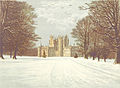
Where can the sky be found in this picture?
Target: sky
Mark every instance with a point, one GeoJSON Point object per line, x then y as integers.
{"type": "Point", "coordinates": [57, 17]}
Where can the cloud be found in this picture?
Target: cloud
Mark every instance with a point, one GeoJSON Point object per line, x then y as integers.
{"type": "Point", "coordinates": [57, 17]}
{"type": "Point", "coordinates": [63, 14]}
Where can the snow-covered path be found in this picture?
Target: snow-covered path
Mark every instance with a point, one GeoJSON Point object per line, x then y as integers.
{"type": "Point", "coordinates": [58, 72]}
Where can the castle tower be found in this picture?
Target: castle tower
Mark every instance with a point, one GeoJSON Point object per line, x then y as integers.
{"type": "Point", "coordinates": [51, 41]}
{"type": "Point", "coordinates": [56, 44]}
{"type": "Point", "coordinates": [39, 51]}
{"type": "Point", "coordinates": [66, 41]}
{"type": "Point", "coordinates": [60, 46]}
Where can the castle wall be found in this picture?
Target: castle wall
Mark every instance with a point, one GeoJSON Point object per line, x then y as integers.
{"type": "Point", "coordinates": [59, 47]}
{"type": "Point", "coordinates": [44, 49]}
{"type": "Point", "coordinates": [51, 52]}
{"type": "Point", "coordinates": [67, 52]}
{"type": "Point", "coordinates": [39, 51]}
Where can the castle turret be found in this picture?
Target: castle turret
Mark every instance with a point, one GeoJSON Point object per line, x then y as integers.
{"type": "Point", "coordinates": [39, 51]}
{"type": "Point", "coordinates": [65, 42]}
{"type": "Point", "coordinates": [56, 44]}
{"type": "Point", "coordinates": [60, 46]}
{"type": "Point", "coordinates": [51, 41]}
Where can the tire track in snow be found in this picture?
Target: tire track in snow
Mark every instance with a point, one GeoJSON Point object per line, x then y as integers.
{"type": "Point", "coordinates": [70, 74]}
{"type": "Point", "coordinates": [69, 78]}
{"type": "Point", "coordinates": [66, 80]}
{"type": "Point", "coordinates": [57, 77]}
{"type": "Point", "coordinates": [52, 72]}
{"type": "Point", "coordinates": [106, 73]}
{"type": "Point", "coordinates": [88, 78]}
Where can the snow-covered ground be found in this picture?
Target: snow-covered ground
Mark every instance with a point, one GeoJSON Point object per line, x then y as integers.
{"type": "Point", "coordinates": [58, 72]}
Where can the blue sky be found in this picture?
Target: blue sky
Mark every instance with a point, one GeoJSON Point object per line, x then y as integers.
{"type": "Point", "coordinates": [57, 17]}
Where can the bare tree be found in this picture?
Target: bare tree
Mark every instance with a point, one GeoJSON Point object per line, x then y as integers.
{"type": "Point", "coordinates": [106, 16]}
{"type": "Point", "coordinates": [3, 16]}
{"type": "Point", "coordinates": [82, 35]}
{"type": "Point", "coordinates": [16, 28]}
{"type": "Point", "coordinates": [24, 35]}
{"type": "Point", "coordinates": [95, 40]}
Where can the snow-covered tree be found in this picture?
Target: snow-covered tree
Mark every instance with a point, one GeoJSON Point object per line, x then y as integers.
{"type": "Point", "coordinates": [106, 16]}
{"type": "Point", "coordinates": [82, 35]}
{"type": "Point", "coordinates": [19, 20]}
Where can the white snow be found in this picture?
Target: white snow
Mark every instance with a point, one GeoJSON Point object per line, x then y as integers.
{"type": "Point", "coordinates": [58, 72]}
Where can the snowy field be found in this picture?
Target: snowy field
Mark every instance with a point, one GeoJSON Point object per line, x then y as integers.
{"type": "Point", "coordinates": [58, 72]}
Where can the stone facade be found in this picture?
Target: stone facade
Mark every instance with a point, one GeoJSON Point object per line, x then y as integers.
{"type": "Point", "coordinates": [58, 47]}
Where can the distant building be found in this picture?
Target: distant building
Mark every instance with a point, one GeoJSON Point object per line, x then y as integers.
{"type": "Point", "coordinates": [58, 47]}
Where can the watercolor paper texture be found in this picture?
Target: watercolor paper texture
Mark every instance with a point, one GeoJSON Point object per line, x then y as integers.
{"type": "Point", "coordinates": [59, 43]}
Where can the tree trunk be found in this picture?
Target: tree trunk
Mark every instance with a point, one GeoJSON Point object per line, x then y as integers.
{"type": "Point", "coordinates": [14, 56]}
{"type": "Point", "coordinates": [15, 52]}
{"type": "Point", "coordinates": [11, 54]}
{"type": "Point", "coordinates": [94, 49]}
{"type": "Point", "coordinates": [98, 58]}
{"type": "Point", "coordinates": [117, 61]}
{"type": "Point", "coordinates": [104, 59]}
{"type": "Point", "coordinates": [86, 56]}
{"type": "Point", "coordinates": [1, 49]}
{"type": "Point", "coordinates": [93, 57]}
{"type": "Point", "coordinates": [1, 52]}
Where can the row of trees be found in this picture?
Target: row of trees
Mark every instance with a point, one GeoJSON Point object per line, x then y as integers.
{"type": "Point", "coordinates": [98, 34]}
{"type": "Point", "coordinates": [16, 28]}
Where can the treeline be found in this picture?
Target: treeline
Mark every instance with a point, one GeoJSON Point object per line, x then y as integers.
{"type": "Point", "coordinates": [31, 52]}
{"type": "Point", "coordinates": [98, 34]}
{"type": "Point", "coordinates": [28, 52]}
{"type": "Point", "coordinates": [16, 28]}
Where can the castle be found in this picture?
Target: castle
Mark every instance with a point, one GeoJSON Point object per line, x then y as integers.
{"type": "Point", "coordinates": [58, 47]}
